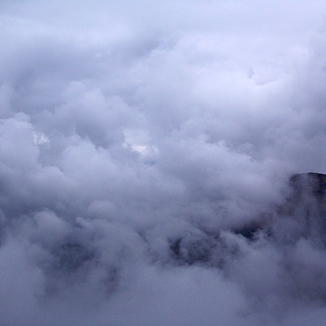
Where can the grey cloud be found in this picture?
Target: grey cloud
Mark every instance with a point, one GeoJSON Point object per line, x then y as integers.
{"type": "Point", "coordinates": [145, 157]}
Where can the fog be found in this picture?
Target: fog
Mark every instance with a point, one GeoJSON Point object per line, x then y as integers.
{"type": "Point", "coordinates": [146, 151]}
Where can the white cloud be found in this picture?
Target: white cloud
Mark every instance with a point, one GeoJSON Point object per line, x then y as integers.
{"type": "Point", "coordinates": [136, 138]}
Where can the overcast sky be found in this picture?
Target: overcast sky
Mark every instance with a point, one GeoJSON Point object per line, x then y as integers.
{"type": "Point", "coordinates": [135, 137]}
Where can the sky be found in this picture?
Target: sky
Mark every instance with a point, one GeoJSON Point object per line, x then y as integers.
{"type": "Point", "coordinates": [136, 138]}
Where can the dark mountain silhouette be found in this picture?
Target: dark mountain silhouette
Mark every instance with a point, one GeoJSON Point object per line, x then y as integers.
{"type": "Point", "coordinates": [304, 212]}
{"type": "Point", "coordinates": [302, 215]}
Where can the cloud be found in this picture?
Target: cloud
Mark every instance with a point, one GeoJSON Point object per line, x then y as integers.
{"type": "Point", "coordinates": [145, 154]}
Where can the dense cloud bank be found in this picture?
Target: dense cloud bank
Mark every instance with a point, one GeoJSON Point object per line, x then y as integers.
{"type": "Point", "coordinates": [146, 150]}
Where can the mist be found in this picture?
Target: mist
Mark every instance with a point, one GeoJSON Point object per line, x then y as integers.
{"type": "Point", "coordinates": [154, 160]}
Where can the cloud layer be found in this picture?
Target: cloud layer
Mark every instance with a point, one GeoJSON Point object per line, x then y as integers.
{"type": "Point", "coordinates": [137, 141]}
